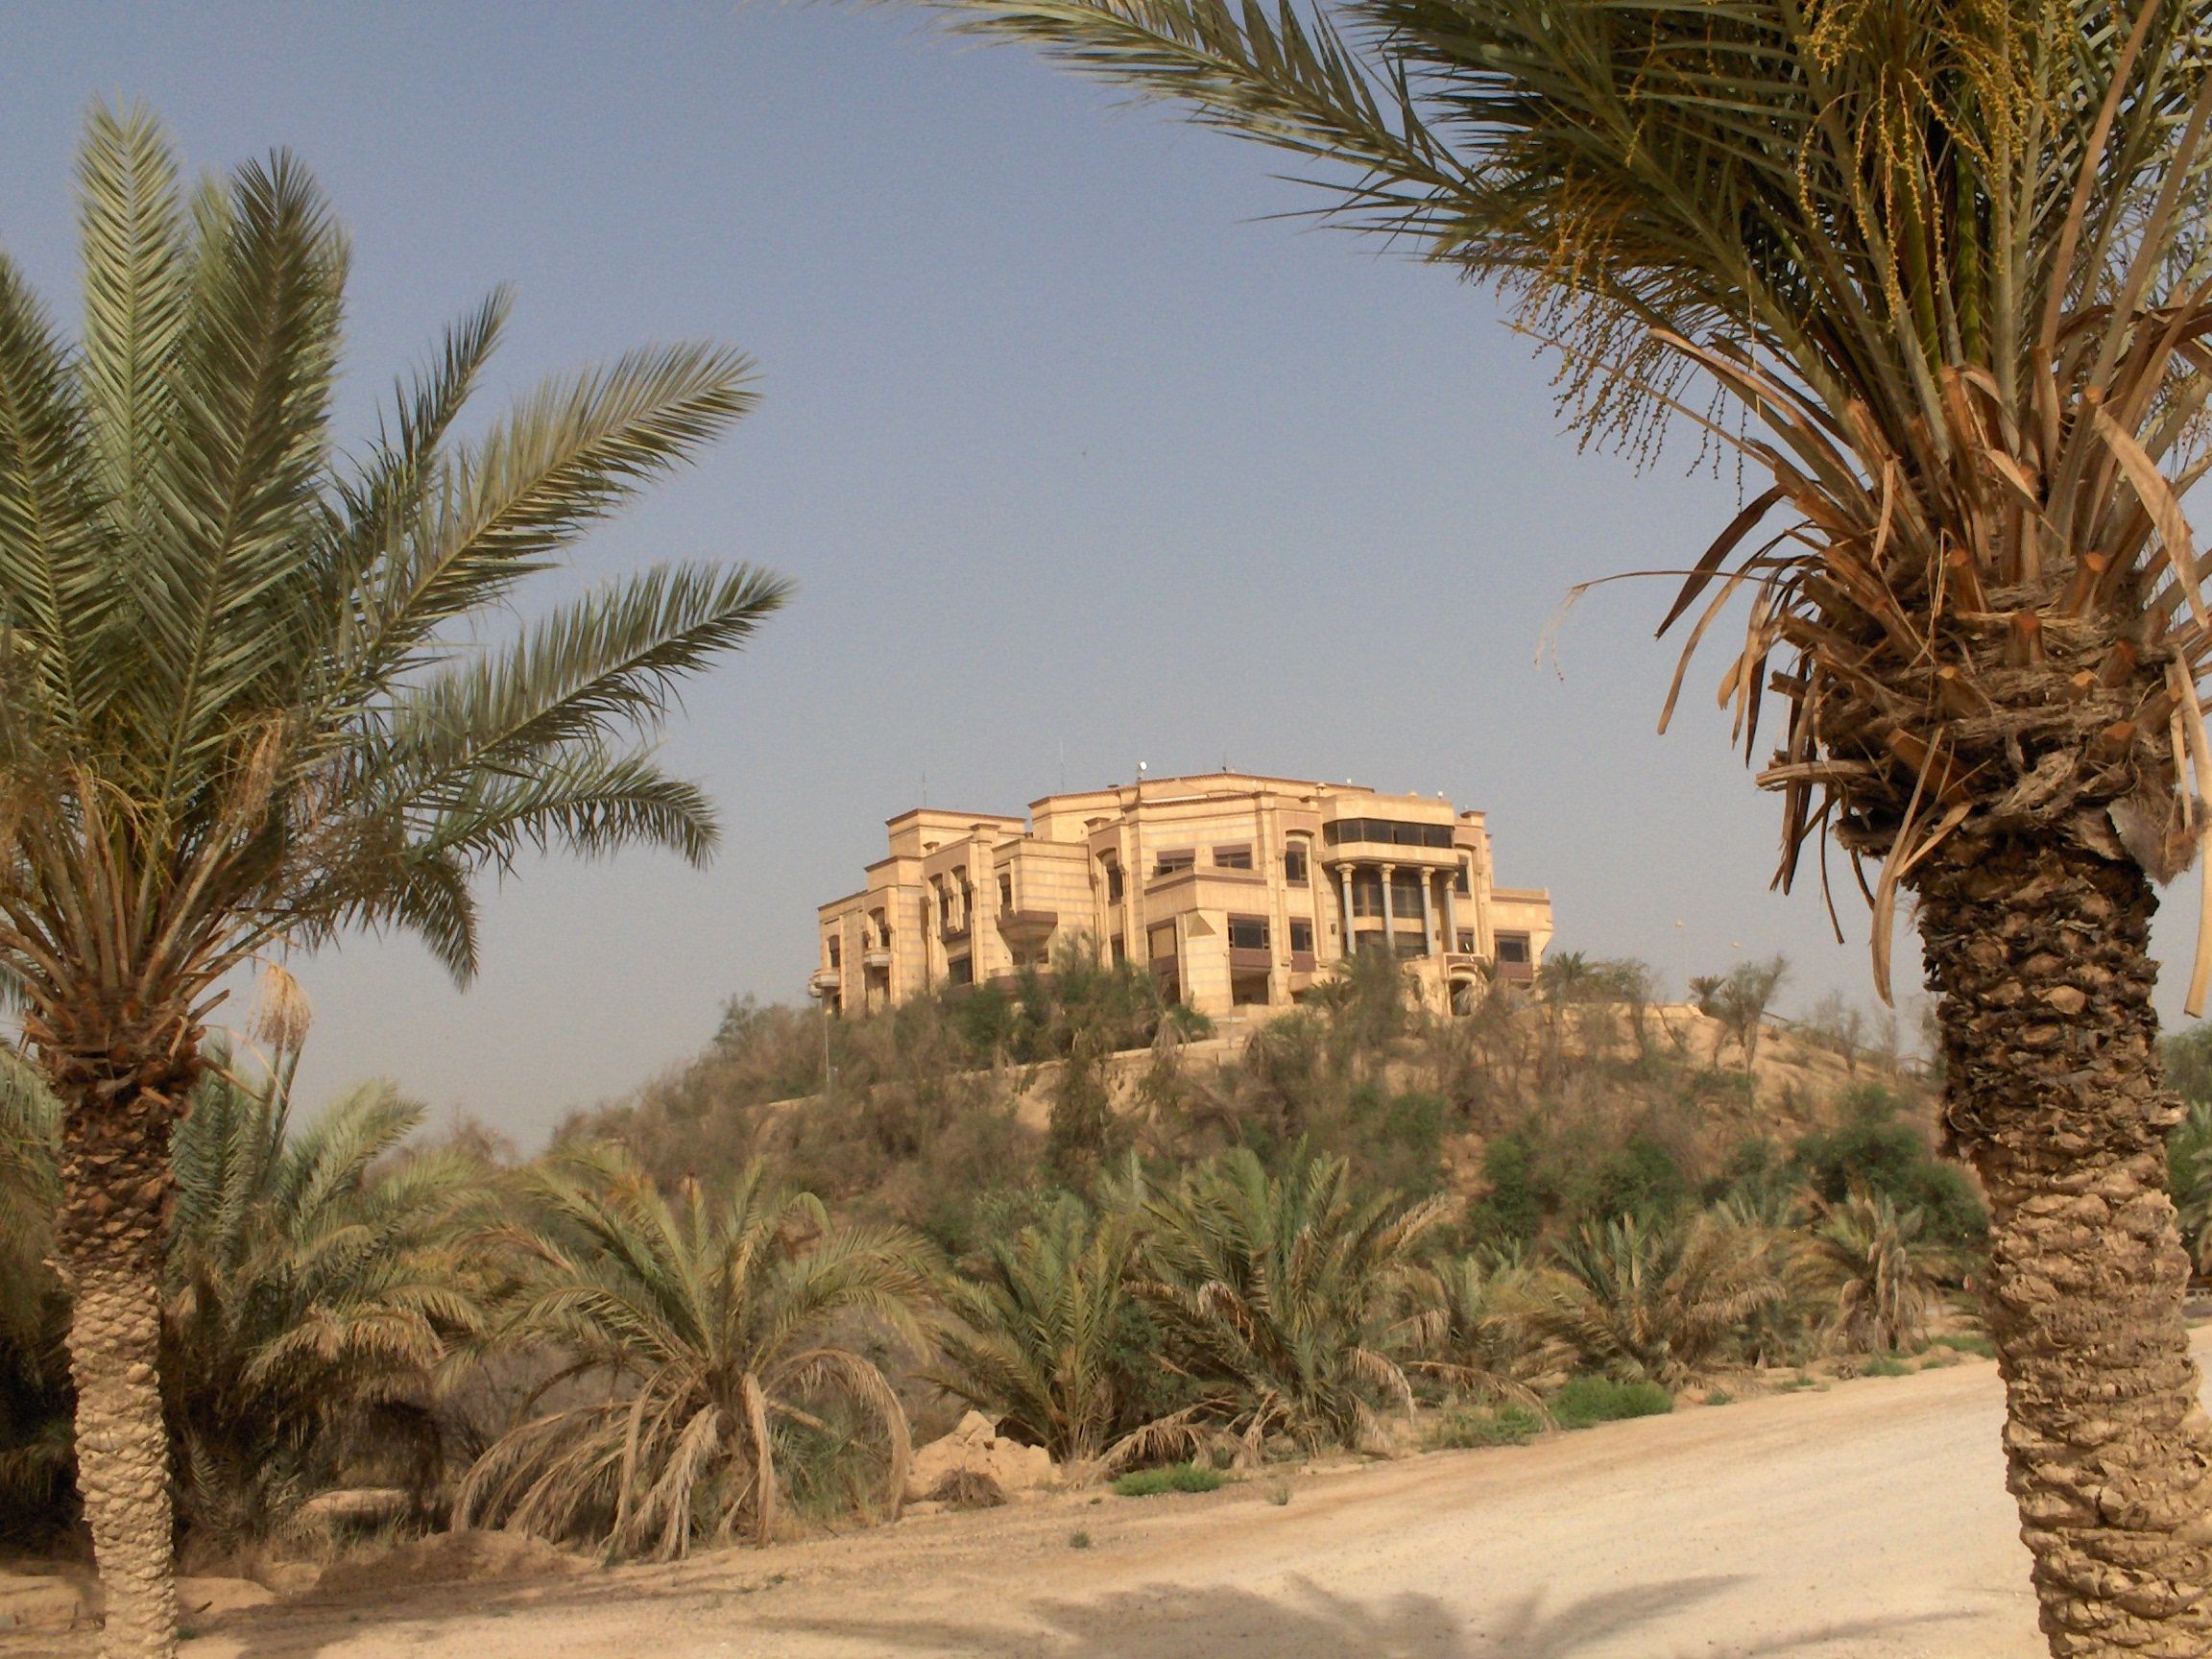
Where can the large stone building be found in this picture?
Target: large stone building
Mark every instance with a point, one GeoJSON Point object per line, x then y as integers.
{"type": "Point", "coordinates": [1237, 891]}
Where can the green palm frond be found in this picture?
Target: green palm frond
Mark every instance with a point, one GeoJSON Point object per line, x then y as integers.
{"type": "Point", "coordinates": [242, 699]}
{"type": "Point", "coordinates": [313, 1278]}
{"type": "Point", "coordinates": [709, 1325]}
{"type": "Point", "coordinates": [1278, 1294]}
{"type": "Point", "coordinates": [1948, 262]}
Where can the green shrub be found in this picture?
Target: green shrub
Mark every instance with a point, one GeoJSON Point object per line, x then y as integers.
{"type": "Point", "coordinates": [1885, 1365]}
{"type": "Point", "coordinates": [1876, 1151]}
{"type": "Point", "coordinates": [1467, 1427]}
{"type": "Point", "coordinates": [1588, 1401]}
{"type": "Point", "coordinates": [1078, 1539]}
{"type": "Point", "coordinates": [1174, 1478]}
{"type": "Point", "coordinates": [1967, 1342]}
{"type": "Point", "coordinates": [1514, 1209]}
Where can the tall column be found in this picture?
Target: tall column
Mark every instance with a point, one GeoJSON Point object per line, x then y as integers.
{"type": "Point", "coordinates": [1389, 924]}
{"type": "Point", "coordinates": [1427, 916]}
{"type": "Point", "coordinates": [1451, 912]}
{"type": "Point", "coordinates": [1344, 887]}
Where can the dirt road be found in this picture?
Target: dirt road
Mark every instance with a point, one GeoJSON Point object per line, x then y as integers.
{"type": "Point", "coordinates": [1869, 1522]}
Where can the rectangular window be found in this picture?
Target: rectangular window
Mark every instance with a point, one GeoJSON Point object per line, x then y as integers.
{"type": "Point", "coordinates": [1366, 892]}
{"type": "Point", "coordinates": [836, 952]}
{"type": "Point", "coordinates": [1466, 941]}
{"type": "Point", "coordinates": [1120, 952]}
{"type": "Point", "coordinates": [1386, 832]}
{"type": "Point", "coordinates": [1301, 935]}
{"type": "Point", "coordinates": [1174, 861]}
{"type": "Point", "coordinates": [1461, 880]}
{"type": "Point", "coordinates": [1406, 894]}
{"type": "Point", "coordinates": [1294, 866]}
{"type": "Point", "coordinates": [1005, 892]}
{"type": "Point", "coordinates": [1247, 932]}
{"type": "Point", "coordinates": [1512, 947]}
{"type": "Point", "coordinates": [1233, 857]}
{"type": "Point", "coordinates": [960, 971]}
{"type": "Point", "coordinates": [1113, 883]}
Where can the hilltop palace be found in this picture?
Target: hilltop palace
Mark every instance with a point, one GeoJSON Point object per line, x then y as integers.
{"type": "Point", "coordinates": [1237, 891]}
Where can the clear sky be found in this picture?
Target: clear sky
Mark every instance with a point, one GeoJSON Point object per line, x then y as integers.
{"type": "Point", "coordinates": [1079, 453]}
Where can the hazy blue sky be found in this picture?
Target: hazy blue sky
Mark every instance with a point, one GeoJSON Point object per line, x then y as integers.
{"type": "Point", "coordinates": [1077, 455]}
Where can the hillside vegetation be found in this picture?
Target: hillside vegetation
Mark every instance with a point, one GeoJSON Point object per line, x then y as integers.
{"type": "Point", "coordinates": [733, 1305]}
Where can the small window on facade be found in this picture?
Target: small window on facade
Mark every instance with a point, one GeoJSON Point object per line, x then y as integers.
{"type": "Point", "coordinates": [960, 971]}
{"type": "Point", "coordinates": [1005, 892]}
{"type": "Point", "coordinates": [1405, 894]}
{"type": "Point", "coordinates": [1301, 936]}
{"type": "Point", "coordinates": [1247, 932]}
{"type": "Point", "coordinates": [1120, 951]}
{"type": "Point", "coordinates": [1466, 941]}
{"type": "Point", "coordinates": [1113, 883]}
{"type": "Point", "coordinates": [1175, 860]}
{"type": "Point", "coordinates": [1512, 947]}
{"type": "Point", "coordinates": [1233, 857]}
{"type": "Point", "coordinates": [1462, 882]}
{"type": "Point", "coordinates": [837, 951]}
{"type": "Point", "coordinates": [1294, 866]}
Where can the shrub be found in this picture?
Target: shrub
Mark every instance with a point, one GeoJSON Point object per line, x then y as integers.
{"type": "Point", "coordinates": [1885, 1365]}
{"type": "Point", "coordinates": [1875, 1151]}
{"type": "Point", "coordinates": [1510, 1425]}
{"type": "Point", "coordinates": [1967, 1342]}
{"type": "Point", "coordinates": [1587, 1401]}
{"type": "Point", "coordinates": [1173, 1478]}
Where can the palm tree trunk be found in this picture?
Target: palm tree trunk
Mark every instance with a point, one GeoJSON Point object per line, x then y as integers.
{"type": "Point", "coordinates": [2038, 950]}
{"type": "Point", "coordinates": [115, 1185]}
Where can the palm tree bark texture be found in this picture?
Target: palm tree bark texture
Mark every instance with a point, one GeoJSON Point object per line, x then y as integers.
{"type": "Point", "coordinates": [2038, 953]}
{"type": "Point", "coordinates": [124, 1090]}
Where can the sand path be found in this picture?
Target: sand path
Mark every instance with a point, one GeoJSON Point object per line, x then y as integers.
{"type": "Point", "coordinates": [1869, 1520]}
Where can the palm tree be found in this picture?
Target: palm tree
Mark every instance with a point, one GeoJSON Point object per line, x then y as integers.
{"type": "Point", "coordinates": [1878, 1269]}
{"type": "Point", "coordinates": [240, 707]}
{"type": "Point", "coordinates": [313, 1297]}
{"type": "Point", "coordinates": [1281, 1297]}
{"type": "Point", "coordinates": [1046, 1320]}
{"type": "Point", "coordinates": [698, 1344]}
{"type": "Point", "coordinates": [1475, 1334]}
{"type": "Point", "coordinates": [1658, 1301]}
{"type": "Point", "coordinates": [1950, 260]}
{"type": "Point", "coordinates": [35, 1452]}
{"type": "Point", "coordinates": [2191, 1154]}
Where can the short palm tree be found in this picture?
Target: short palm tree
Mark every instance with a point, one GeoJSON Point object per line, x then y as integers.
{"type": "Point", "coordinates": [35, 1451]}
{"type": "Point", "coordinates": [1947, 261]}
{"type": "Point", "coordinates": [313, 1296]}
{"type": "Point", "coordinates": [1472, 1332]}
{"type": "Point", "coordinates": [1282, 1297]}
{"type": "Point", "coordinates": [1046, 1320]}
{"type": "Point", "coordinates": [2191, 1155]}
{"type": "Point", "coordinates": [1875, 1265]}
{"type": "Point", "coordinates": [241, 706]}
{"type": "Point", "coordinates": [690, 1343]}
{"type": "Point", "coordinates": [1663, 1301]}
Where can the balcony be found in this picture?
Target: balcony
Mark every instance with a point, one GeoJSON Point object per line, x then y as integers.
{"type": "Point", "coordinates": [879, 957]}
{"type": "Point", "coordinates": [1260, 961]}
{"type": "Point", "coordinates": [1027, 930]}
{"type": "Point", "coordinates": [825, 981]}
{"type": "Point", "coordinates": [1302, 962]}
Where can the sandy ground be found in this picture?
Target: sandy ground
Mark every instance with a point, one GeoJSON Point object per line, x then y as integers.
{"type": "Point", "coordinates": [1869, 1520]}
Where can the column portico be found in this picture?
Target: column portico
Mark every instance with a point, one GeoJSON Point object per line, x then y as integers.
{"type": "Point", "coordinates": [1389, 922]}
{"type": "Point", "coordinates": [1344, 889]}
{"type": "Point", "coordinates": [1428, 917]}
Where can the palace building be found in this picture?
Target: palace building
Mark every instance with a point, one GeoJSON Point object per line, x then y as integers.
{"type": "Point", "coordinates": [1235, 891]}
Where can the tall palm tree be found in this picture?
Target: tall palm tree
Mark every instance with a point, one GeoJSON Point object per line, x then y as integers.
{"type": "Point", "coordinates": [701, 1339]}
{"type": "Point", "coordinates": [240, 707]}
{"type": "Point", "coordinates": [1950, 260]}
